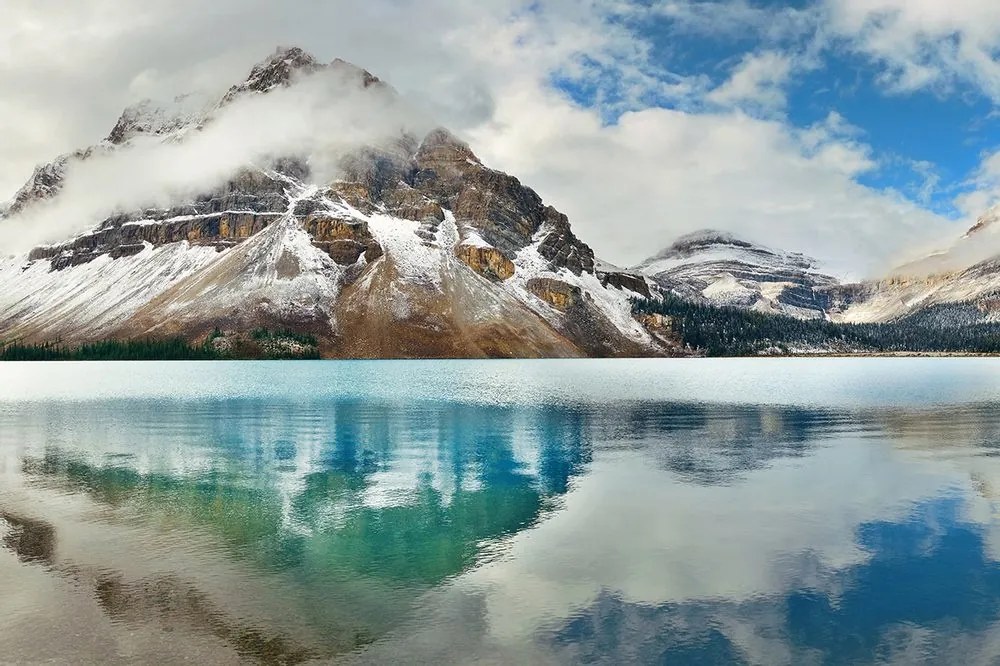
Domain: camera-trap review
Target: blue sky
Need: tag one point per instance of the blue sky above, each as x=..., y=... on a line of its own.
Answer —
x=927, y=143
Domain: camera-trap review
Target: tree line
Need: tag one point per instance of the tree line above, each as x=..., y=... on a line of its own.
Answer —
x=261, y=343
x=729, y=331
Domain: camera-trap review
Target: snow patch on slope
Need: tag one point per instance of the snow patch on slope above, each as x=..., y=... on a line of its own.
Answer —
x=151, y=117
x=727, y=271
x=764, y=258
x=895, y=299
x=614, y=304
x=727, y=290
x=89, y=299
x=414, y=258
x=278, y=271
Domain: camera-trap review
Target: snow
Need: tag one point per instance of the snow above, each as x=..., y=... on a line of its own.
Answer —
x=607, y=267
x=413, y=258
x=614, y=304
x=728, y=290
x=187, y=218
x=470, y=236
x=759, y=257
x=278, y=271
x=158, y=118
x=705, y=254
x=707, y=264
x=92, y=297
x=894, y=299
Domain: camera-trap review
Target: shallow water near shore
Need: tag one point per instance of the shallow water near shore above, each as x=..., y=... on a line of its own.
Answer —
x=769, y=511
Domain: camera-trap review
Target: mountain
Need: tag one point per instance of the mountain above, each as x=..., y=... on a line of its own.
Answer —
x=378, y=235
x=958, y=286
x=415, y=248
x=717, y=268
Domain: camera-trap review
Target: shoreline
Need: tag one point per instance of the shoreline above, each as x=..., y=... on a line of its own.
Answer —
x=831, y=355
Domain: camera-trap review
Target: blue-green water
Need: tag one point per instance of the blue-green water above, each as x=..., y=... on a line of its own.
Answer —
x=732, y=511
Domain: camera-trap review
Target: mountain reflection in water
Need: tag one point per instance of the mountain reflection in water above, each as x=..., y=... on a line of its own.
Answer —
x=293, y=528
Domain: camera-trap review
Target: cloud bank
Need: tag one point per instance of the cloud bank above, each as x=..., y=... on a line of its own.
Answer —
x=321, y=118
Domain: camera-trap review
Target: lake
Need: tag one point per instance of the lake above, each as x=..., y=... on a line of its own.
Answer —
x=771, y=511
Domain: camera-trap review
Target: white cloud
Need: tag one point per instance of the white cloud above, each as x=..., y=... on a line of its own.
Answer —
x=757, y=81
x=737, y=18
x=924, y=43
x=320, y=119
x=679, y=557
x=632, y=187
x=985, y=187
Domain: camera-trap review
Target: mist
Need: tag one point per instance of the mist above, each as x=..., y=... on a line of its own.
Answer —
x=951, y=254
x=321, y=118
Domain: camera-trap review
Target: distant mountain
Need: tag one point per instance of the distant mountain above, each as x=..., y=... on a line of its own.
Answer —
x=417, y=249
x=957, y=286
x=717, y=268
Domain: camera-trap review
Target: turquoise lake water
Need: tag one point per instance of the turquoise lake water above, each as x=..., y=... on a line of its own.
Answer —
x=773, y=511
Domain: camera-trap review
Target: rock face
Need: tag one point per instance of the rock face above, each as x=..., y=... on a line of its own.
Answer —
x=151, y=118
x=959, y=298
x=506, y=214
x=280, y=69
x=247, y=204
x=344, y=240
x=487, y=261
x=45, y=182
x=558, y=294
x=720, y=269
x=632, y=281
x=416, y=249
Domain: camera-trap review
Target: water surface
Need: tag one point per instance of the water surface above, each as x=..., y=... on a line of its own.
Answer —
x=789, y=511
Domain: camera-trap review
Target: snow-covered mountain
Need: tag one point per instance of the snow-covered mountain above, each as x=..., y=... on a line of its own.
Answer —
x=416, y=248
x=954, y=287
x=399, y=245
x=717, y=268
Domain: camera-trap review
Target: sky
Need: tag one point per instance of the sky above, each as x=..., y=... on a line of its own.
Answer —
x=862, y=132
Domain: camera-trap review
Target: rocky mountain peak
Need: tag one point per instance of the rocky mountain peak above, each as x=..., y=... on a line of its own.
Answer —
x=988, y=220
x=46, y=180
x=278, y=69
x=694, y=243
x=707, y=237
x=366, y=77
x=462, y=209
x=714, y=244
x=719, y=268
x=157, y=118
x=445, y=154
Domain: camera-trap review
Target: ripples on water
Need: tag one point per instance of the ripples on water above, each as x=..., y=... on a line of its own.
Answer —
x=628, y=512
